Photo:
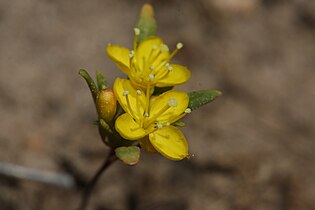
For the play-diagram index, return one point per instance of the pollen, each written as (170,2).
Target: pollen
(188,110)
(126,92)
(172,102)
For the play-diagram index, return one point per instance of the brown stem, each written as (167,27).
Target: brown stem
(86,194)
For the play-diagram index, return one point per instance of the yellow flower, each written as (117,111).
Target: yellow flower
(152,117)
(148,64)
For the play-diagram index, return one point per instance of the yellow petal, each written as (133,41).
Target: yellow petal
(137,100)
(128,128)
(120,56)
(177,76)
(159,103)
(148,50)
(170,142)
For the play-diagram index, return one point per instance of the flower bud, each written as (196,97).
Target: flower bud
(106,104)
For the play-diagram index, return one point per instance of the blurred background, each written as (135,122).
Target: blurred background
(253,148)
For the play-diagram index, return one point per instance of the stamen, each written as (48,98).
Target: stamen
(188,110)
(126,92)
(138,92)
(172,102)
(146,114)
(170,68)
(152,67)
(135,40)
(151,76)
(154,47)
(131,54)
(168,124)
(179,45)
(164,48)
(159,125)
(137,31)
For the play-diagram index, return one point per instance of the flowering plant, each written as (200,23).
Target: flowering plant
(143,111)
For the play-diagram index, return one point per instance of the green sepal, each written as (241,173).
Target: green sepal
(90,82)
(129,155)
(101,82)
(202,97)
(105,126)
(146,23)
(160,90)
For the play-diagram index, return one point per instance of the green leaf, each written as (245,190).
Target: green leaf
(90,82)
(101,82)
(146,23)
(202,97)
(129,155)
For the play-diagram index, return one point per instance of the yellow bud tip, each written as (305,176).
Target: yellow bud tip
(179,45)
(147,10)
(137,31)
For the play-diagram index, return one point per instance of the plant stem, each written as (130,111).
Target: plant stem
(86,194)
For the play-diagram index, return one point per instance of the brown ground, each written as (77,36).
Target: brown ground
(253,148)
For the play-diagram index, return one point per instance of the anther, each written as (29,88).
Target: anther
(146,114)
(159,125)
(179,45)
(131,54)
(151,76)
(170,68)
(172,102)
(188,110)
(126,92)
(168,124)
(151,67)
(164,48)
(138,92)
(137,31)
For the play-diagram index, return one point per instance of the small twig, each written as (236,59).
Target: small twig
(90,186)
(38,175)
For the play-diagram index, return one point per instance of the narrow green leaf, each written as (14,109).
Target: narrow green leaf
(129,155)
(202,97)
(178,124)
(90,82)
(101,82)
(146,23)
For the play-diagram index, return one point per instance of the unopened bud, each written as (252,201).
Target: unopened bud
(106,104)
